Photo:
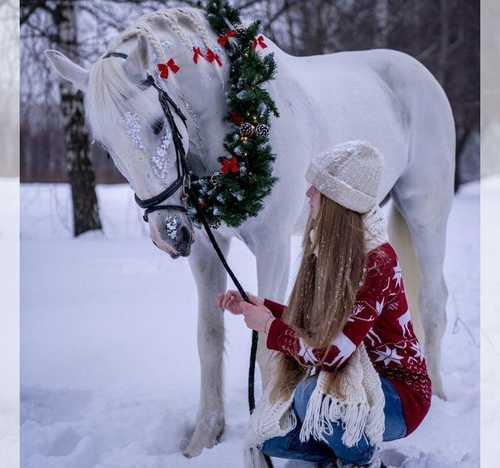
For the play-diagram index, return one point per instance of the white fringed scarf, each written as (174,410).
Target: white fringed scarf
(360,410)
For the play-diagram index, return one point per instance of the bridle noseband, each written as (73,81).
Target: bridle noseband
(184,174)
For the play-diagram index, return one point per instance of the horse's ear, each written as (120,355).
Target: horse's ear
(139,61)
(68,70)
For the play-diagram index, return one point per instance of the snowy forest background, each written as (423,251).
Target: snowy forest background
(443,34)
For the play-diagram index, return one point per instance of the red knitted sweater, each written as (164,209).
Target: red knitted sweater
(381,320)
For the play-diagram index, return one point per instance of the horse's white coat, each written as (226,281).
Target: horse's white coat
(381,96)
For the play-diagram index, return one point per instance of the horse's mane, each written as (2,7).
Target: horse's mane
(110,91)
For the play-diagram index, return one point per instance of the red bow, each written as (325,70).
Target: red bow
(230,165)
(236,118)
(211,56)
(225,38)
(259,42)
(197,54)
(164,67)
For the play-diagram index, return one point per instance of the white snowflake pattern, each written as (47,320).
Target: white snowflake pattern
(398,275)
(387,356)
(417,349)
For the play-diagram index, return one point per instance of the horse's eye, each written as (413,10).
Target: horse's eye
(157,126)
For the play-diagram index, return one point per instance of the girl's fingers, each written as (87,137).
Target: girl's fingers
(232,302)
(246,307)
(228,300)
(234,308)
(229,303)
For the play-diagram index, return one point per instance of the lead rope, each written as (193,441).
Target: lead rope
(255,335)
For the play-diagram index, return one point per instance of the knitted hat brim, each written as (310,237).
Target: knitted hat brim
(338,191)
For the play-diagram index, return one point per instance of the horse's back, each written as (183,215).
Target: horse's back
(382,95)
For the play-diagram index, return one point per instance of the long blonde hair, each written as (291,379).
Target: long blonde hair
(325,289)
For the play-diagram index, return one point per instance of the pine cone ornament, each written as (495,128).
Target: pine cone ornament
(247,129)
(262,130)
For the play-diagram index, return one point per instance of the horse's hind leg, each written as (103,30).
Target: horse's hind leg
(425,206)
(211,279)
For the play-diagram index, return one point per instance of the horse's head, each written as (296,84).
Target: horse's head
(127,117)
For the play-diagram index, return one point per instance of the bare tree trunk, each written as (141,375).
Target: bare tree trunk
(445,42)
(291,30)
(417,21)
(382,23)
(79,166)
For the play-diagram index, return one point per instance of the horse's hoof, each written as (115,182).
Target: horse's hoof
(438,388)
(440,393)
(208,432)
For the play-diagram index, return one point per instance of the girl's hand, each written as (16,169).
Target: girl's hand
(256,316)
(232,301)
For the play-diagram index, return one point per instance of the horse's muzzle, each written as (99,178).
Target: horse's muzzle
(185,239)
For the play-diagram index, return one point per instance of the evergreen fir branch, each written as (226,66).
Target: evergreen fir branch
(234,197)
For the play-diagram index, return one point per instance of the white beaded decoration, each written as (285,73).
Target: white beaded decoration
(160,158)
(171,224)
(134,129)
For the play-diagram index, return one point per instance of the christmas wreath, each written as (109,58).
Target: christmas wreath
(236,192)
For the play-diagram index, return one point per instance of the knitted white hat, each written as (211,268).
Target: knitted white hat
(349,173)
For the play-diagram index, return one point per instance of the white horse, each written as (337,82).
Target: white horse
(381,96)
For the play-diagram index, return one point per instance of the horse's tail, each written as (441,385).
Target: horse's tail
(400,238)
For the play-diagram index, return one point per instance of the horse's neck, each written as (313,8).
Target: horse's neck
(207,101)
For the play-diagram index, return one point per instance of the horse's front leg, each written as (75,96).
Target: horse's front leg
(272,253)
(211,280)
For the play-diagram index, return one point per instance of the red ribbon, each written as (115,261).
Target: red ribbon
(225,38)
(164,68)
(197,54)
(259,42)
(230,165)
(212,56)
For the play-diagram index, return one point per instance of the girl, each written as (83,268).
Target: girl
(349,369)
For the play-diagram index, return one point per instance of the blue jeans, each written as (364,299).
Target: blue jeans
(289,446)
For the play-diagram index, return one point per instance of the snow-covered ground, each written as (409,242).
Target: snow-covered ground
(490,321)
(109,361)
(9,322)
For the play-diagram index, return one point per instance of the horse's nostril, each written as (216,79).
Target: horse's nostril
(184,235)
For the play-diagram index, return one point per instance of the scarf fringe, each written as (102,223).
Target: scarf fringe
(360,409)
(324,411)
(270,420)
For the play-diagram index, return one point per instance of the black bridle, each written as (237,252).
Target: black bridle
(184,178)
(184,174)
